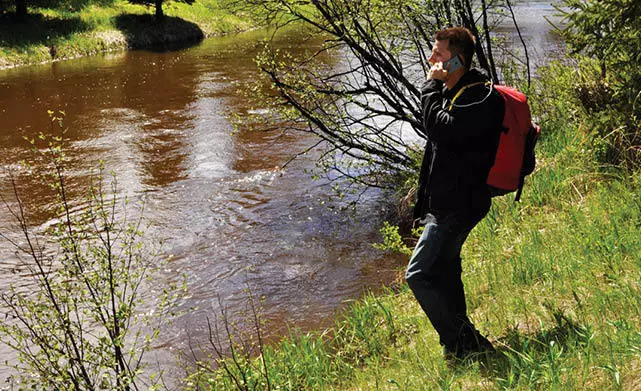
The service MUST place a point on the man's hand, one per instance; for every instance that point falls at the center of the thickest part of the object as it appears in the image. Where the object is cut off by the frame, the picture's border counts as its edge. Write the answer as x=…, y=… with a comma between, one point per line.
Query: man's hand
x=437, y=72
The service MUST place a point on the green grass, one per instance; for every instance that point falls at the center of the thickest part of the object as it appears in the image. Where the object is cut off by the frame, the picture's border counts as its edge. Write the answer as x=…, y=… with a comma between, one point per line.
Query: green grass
x=93, y=28
x=554, y=281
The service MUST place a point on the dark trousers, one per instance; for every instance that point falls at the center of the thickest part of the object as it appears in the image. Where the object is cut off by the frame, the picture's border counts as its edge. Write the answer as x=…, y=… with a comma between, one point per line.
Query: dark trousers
x=434, y=275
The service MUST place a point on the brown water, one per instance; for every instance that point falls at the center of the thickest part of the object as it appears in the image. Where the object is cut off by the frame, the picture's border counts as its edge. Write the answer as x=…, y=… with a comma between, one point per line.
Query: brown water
x=228, y=218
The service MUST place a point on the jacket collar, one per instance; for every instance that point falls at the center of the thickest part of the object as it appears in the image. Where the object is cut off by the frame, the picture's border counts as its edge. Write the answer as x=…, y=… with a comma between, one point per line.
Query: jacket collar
x=472, y=76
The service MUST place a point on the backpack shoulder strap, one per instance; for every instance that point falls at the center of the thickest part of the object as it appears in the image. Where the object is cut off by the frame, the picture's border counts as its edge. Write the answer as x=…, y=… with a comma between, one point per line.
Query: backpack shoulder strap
x=529, y=159
x=460, y=92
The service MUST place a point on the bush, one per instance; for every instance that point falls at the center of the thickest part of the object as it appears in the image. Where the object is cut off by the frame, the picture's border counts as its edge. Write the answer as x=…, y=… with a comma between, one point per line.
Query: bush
x=604, y=34
x=76, y=325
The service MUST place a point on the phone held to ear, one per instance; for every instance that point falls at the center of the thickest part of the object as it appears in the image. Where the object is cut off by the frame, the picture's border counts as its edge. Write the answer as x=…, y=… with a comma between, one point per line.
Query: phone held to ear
x=453, y=64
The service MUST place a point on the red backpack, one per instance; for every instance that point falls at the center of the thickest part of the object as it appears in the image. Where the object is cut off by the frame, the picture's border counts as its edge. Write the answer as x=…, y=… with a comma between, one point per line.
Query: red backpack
x=515, y=155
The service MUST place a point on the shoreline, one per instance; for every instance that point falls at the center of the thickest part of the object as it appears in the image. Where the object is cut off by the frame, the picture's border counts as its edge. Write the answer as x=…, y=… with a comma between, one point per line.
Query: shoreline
x=121, y=48
x=44, y=37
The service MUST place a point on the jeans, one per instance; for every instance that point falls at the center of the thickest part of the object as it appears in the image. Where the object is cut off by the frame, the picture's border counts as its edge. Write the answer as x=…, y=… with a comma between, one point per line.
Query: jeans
x=434, y=275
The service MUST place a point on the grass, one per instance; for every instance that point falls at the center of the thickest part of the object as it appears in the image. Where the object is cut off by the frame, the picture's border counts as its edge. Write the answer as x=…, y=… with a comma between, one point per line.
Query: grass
x=88, y=29
x=555, y=281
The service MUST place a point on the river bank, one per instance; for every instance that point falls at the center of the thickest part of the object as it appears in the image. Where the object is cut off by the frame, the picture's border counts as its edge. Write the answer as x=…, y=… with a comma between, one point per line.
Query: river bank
x=552, y=280
x=52, y=34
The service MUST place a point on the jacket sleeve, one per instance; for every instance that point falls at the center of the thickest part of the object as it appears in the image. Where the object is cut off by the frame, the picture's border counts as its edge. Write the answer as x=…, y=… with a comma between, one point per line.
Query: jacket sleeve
x=442, y=125
x=420, y=206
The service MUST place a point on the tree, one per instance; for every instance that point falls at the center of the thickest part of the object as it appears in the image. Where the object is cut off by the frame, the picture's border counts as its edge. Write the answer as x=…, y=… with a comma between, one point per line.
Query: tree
x=604, y=29
x=608, y=31
x=157, y=4
x=21, y=8
x=366, y=109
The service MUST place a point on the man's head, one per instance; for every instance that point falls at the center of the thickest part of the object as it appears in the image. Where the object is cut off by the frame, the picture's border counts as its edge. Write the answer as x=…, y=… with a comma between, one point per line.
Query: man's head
x=454, y=41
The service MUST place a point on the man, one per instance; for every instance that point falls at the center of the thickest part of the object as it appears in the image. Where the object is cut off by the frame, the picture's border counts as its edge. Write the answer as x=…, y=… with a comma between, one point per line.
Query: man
x=452, y=194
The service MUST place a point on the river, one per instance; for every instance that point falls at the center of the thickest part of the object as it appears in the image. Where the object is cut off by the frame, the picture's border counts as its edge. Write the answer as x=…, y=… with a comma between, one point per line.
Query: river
x=228, y=218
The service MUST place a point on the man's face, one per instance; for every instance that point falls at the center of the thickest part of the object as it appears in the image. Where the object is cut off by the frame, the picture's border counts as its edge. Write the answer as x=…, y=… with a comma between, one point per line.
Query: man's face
x=440, y=52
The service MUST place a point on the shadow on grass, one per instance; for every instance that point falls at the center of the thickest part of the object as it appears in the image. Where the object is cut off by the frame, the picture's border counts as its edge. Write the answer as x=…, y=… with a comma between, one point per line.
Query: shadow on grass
x=143, y=31
x=37, y=29
x=528, y=355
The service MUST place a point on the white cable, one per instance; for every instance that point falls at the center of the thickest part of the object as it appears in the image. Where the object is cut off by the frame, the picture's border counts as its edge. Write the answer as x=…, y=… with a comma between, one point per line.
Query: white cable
x=476, y=103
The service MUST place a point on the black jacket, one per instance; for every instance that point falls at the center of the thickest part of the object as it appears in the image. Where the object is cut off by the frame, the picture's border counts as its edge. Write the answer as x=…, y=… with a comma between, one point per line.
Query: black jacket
x=461, y=146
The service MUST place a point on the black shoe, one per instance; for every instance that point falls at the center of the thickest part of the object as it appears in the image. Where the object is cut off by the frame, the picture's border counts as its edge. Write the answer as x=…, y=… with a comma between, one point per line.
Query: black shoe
x=472, y=346
x=453, y=358
x=479, y=344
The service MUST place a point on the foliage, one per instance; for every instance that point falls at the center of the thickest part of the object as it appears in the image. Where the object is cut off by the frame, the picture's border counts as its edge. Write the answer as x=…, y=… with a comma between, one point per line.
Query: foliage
x=78, y=325
x=606, y=30
x=366, y=107
x=609, y=79
x=302, y=361
x=84, y=28
x=393, y=241
x=232, y=346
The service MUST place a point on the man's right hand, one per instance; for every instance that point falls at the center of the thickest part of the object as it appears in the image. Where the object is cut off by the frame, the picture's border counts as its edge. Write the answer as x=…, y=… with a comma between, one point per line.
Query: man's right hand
x=437, y=72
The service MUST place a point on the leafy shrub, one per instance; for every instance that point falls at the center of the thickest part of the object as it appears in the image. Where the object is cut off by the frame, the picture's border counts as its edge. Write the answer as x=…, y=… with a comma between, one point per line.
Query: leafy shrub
x=604, y=34
x=78, y=325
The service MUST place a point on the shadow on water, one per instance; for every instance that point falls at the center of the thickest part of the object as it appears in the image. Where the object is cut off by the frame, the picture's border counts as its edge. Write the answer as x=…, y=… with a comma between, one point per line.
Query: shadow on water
x=37, y=29
x=143, y=31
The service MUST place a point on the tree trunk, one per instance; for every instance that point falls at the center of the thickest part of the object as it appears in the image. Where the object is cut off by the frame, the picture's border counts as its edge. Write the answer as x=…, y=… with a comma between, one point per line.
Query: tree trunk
x=159, y=13
x=21, y=8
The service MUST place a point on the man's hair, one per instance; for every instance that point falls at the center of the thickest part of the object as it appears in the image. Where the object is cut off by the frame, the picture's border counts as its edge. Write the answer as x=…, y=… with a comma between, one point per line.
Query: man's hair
x=461, y=41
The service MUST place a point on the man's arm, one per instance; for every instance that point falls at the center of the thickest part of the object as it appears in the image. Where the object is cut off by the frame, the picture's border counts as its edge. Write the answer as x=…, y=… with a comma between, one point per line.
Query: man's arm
x=438, y=122
x=459, y=125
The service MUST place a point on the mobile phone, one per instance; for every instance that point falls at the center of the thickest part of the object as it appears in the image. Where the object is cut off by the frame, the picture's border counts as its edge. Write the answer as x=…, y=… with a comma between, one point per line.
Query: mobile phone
x=452, y=64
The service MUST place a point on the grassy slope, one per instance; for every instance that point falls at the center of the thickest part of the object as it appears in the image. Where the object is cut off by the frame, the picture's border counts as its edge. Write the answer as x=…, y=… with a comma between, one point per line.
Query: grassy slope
x=96, y=28
x=554, y=281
